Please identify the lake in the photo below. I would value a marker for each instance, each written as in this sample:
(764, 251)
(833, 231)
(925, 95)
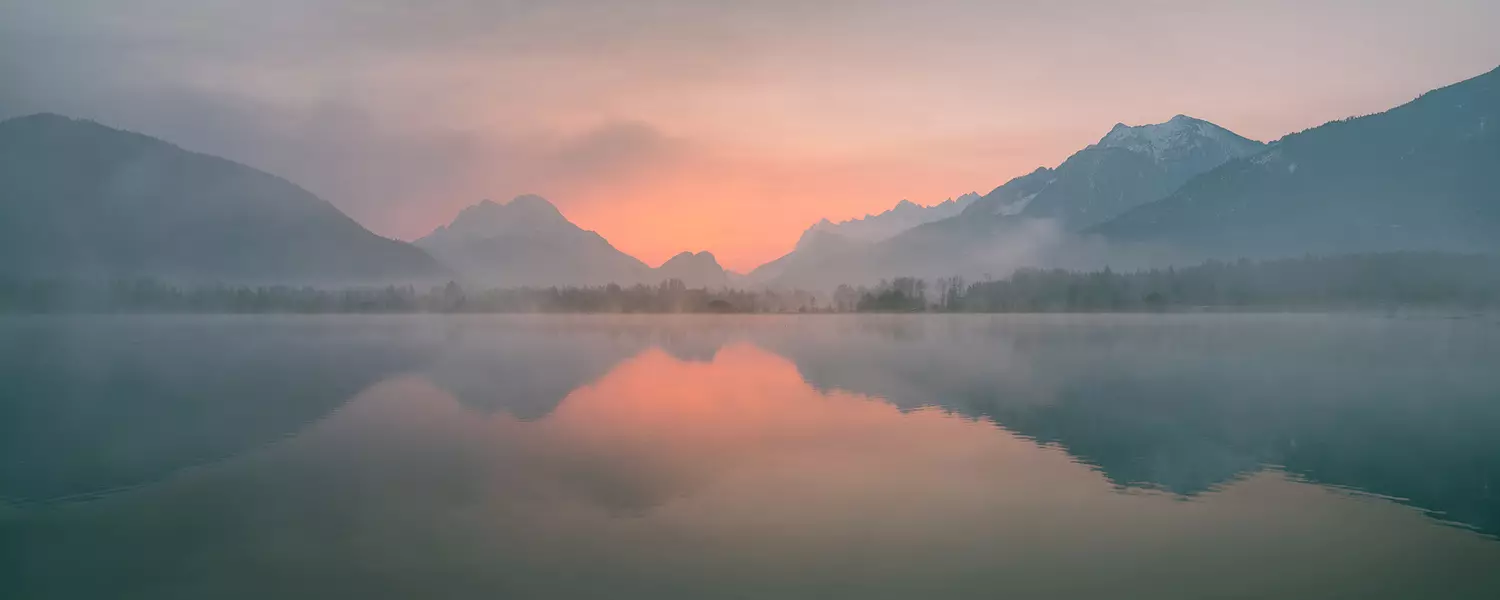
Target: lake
(820, 456)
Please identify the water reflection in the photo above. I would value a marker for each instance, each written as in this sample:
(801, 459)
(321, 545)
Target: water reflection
(787, 458)
(88, 405)
(1403, 408)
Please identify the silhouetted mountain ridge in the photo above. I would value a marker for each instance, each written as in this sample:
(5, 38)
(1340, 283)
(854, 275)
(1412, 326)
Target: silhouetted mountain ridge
(79, 199)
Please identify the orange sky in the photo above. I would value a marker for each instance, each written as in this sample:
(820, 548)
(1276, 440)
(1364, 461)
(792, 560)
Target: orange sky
(737, 128)
(748, 213)
(727, 126)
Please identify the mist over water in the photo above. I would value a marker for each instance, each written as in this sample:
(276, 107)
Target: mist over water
(696, 457)
(662, 300)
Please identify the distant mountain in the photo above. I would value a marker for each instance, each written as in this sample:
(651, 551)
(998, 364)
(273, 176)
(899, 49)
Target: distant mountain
(1026, 222)
(1128, 167)
(1422, 176)
(694, 270)
(82, 200)
(527, 242)
(814, 250)
(826, 240)
(905, 215)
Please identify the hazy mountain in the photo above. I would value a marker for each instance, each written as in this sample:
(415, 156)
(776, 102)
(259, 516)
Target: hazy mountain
(1026, 222)
(826, 240)
(905, 215)
(971, 248)
(814, 249)
(695, 270)
(1128, 167)
(527, 242)
(79, 199)
(1425, 175)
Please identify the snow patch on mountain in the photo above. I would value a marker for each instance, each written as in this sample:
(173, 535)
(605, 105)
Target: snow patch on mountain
(1015, 208)
(1178, 135)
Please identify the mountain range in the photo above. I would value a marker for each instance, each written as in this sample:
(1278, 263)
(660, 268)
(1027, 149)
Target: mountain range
(528, 242)
(1128, 167)
(905, 215)
(80, 199)
(826, 238)
(1025, 221)
(1422, 176)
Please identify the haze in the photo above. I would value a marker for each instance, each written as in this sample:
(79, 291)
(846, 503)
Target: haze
(720, 126)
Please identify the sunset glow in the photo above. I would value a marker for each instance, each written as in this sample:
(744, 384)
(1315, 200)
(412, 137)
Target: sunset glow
(717, 126)
(755, 299)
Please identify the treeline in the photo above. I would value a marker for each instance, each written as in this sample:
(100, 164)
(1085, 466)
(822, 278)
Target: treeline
(156, 296)
(1341, 282)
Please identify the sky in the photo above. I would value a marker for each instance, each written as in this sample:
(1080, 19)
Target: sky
(719, 125)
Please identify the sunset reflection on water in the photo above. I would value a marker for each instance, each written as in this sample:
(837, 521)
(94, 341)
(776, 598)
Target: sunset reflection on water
(711, 471)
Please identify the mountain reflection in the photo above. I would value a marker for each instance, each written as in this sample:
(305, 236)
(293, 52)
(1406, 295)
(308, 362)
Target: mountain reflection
(525, 366)
(729, 475)
(1184, 404)
(1402, 408)
(93, 404)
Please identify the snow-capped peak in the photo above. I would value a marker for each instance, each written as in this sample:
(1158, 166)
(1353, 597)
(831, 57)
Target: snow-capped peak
(1181, 133)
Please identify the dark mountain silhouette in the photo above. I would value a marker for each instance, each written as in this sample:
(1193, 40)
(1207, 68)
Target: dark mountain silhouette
(527, 242)
(79, 199)
(1422, 176)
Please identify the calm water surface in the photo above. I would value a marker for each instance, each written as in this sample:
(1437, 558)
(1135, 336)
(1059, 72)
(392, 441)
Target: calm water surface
(1174, 456)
